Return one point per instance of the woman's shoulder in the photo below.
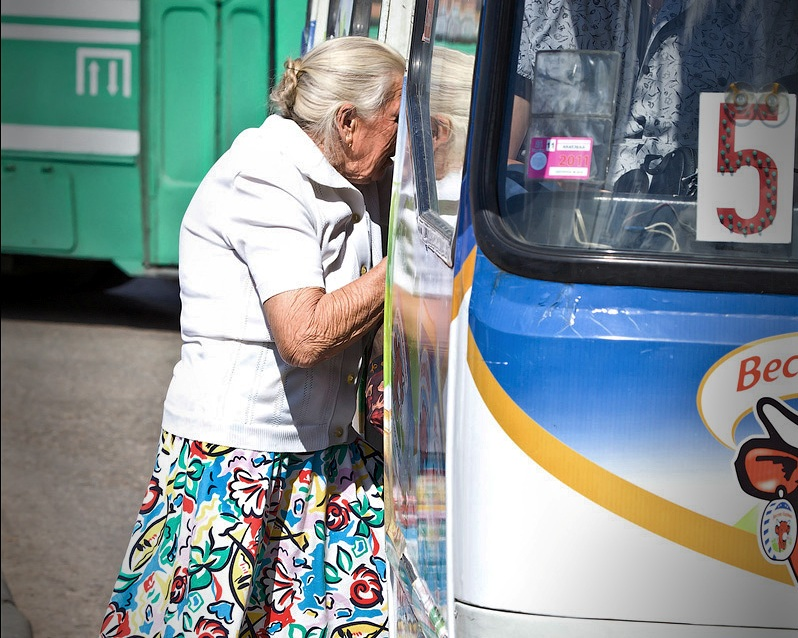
(265, 145)
(278, 151)
(257, 154)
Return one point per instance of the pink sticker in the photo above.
(559, 158)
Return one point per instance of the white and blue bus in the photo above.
(591, 338)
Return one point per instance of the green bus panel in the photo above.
(71, 184)
(48, 194)
(113, 112)
(291, 16)
(69, 85)
(80, 210)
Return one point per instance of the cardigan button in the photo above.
(338, 432)
(350, 379)
(363, 270)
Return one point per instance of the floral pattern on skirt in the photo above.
(232, 542)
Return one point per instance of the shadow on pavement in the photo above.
(146, 302)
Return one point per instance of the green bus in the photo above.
(112, 112)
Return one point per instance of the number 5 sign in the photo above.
(746, 154)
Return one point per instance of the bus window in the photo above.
(457, 24)
(340, 18)
(687, 163)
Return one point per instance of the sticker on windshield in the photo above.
(559, 158)
(746, 157)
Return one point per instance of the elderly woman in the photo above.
(264, 514)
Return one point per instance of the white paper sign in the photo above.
(746, 156)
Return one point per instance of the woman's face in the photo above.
(370, 144)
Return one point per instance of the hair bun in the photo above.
(285, 93)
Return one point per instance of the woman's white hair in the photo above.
(351, 70)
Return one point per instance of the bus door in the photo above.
(113, 111)
(624, 424)
(209, 67)
(426, 196)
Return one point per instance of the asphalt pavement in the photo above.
(84, 374)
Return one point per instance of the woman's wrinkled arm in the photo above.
(310, 325)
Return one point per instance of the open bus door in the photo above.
(604, 440)
(113, 111)
(424, 226)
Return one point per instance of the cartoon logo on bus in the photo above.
(759, 379)
(767, 469)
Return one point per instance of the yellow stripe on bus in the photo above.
(660, 516)
(463, 281)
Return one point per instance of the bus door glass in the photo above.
(630, 398)
(427, 182)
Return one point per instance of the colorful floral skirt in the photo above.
(233, 542)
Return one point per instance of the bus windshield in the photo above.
(659, 129)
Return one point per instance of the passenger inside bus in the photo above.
(671, 52)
